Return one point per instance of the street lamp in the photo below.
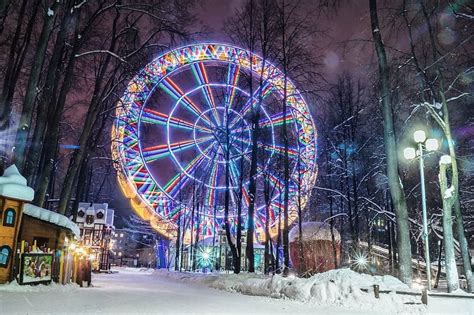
(445, 160)
(410, 153)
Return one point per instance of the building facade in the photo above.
(96, 224)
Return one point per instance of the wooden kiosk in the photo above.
(14, 192)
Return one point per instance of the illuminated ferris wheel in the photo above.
(183, 134)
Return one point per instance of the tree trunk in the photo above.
(4, 4)
(438, 274)
(5, 106)
(32, 87)
(16, 58)
(46, 105)
(455, 183)
(331, 214)
(396, 189)
(303, 270)
(81, 188)
(445, 125)
(176, 256)
(279, 237)
(448, 196)
(52, 136)
(235, 257)
(91, 117)
(463, 244)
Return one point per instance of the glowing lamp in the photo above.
(409, 153)
(419, 136)
(445, 159)
(432, 144)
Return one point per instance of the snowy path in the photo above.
(136, 293)
(144, 293)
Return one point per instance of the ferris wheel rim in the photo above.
(307, 117)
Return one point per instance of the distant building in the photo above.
(96, 224)
(215, 254)
(134, 249)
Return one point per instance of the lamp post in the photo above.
(411, 153)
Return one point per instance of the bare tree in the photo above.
(26, 119)
(396, 189)
(433, 68)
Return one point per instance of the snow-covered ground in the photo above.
(141, 291)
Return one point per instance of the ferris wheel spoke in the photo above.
(240, 151)
(292, 153)
(212, 191)
(233, 74)
(245, 196)
(201, 75)
(277, 182)
(159, 151)
(274, 179)
(156, 117)
(176, 184)
(274, 120)
(245, 143)
(235, 174)
(180, 179)
(213, 180)
(263, 91)
(175, 91)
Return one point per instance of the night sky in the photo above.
(333, 49)
(349, 25)
(344, 45)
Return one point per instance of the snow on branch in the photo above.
(100, 51)
(457, 97)
(431, 108)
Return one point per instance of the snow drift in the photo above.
(342, 287)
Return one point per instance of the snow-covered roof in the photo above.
(51, 217)
(315, 231)
(13, 185)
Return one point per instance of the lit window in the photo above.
(4, 256)
(9, 217)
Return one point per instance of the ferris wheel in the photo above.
(183, 137)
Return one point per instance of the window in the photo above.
(9, 217)
(41, 242)
(100, 215)
(4, 256)
(81, 213)
(89, 219)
